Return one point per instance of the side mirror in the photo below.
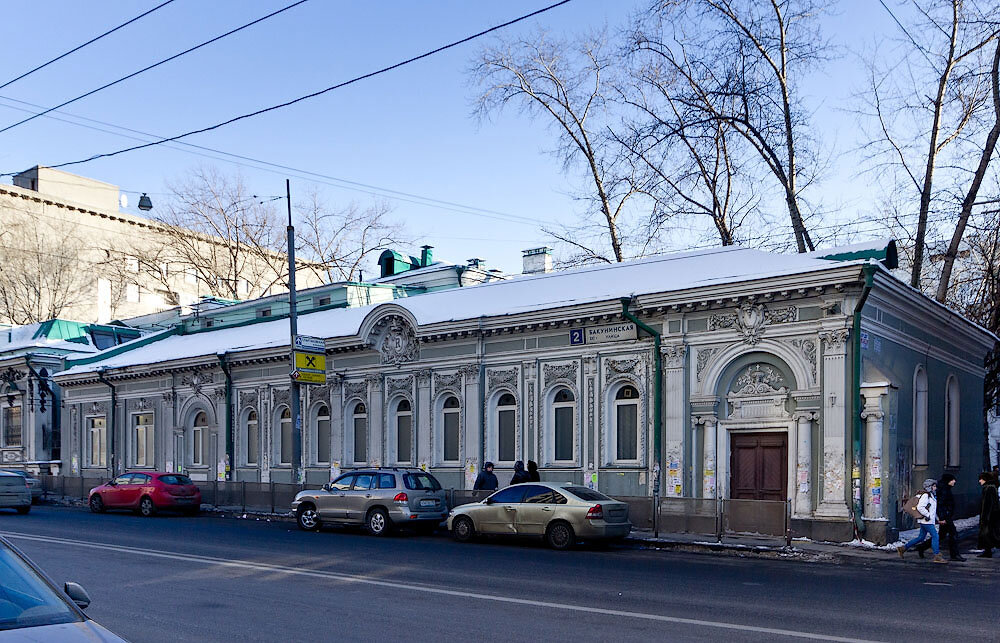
(112, 483)
(327, 487)
(488, 501)
(77, 594)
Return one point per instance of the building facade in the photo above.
(726, 373)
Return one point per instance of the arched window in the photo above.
(323, 434)
(506, 413)
(952, 423)
(564, 424)
(199, 439)
(252, 449)
(626, 419)
(360, 424)
(404, 432)
(285, 452)
(920, 417)
(450, 417)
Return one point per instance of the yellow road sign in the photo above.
(306, 377)
(310, 361)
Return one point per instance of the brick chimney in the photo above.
(537, 260)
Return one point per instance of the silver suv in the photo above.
(380, 499)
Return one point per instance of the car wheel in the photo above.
(560, 536)
(146, 507)
(97, 504)
(462, 529)
(23, 510)
(308, 518)
(377, 522)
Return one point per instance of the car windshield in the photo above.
(421, 482)
(583, 493)
(25, 599)
(175, 479)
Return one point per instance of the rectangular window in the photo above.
(253, 440)
(132, 293)
(360, 439)
(264, 312)
(404, 438)
(505, 436)
(12, 426)
(142, 440)
(564, 433)
(198, 445)
(322, 301)
(97, 441)
(132, 264)
(286, 442)
(451, 437)
(628, 433)
(323, 438)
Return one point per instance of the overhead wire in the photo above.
(157, 64)
(310, 95)
(89, 42)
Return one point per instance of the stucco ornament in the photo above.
(196, 380)
(751, 319)
(759, 379)
(398, 343)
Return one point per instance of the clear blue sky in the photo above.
(410, 130)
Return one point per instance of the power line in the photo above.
(156, 64)
(89, 42)
(310, 95)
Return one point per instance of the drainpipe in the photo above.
(230, 455)
(482, 395)
(856, 423)
(658, 383)
(113, 428)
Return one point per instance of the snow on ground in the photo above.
(905, 536)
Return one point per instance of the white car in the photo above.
(14, 493)
(33, 609)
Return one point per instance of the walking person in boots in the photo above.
(946, 519)
(989, 516)
(927, 507)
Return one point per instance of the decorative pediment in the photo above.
(393, 337)
(196, 380)
(355, 389)
(617, 367)
(559, 372)
(501, 378)
(750, 319)
(759, 392)
(248, 399)
(397, 385)
(450, 382)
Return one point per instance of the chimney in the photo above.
(537, 260)
(476, 262)
(426, 256)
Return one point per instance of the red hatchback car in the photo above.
(147, 492)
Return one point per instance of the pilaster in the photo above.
(674, 418)
(833, 502)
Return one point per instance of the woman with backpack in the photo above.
(925, 507)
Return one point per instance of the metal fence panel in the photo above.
(689, 515)
(756, 517)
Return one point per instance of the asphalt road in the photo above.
(225, 579)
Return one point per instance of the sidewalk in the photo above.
(806, 550)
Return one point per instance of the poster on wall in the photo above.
(470, 473)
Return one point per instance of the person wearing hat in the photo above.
(927, 506)
(946, 519)
(486, 480)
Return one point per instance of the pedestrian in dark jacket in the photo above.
(989, 516)
(946, 519)
(533, 472)
(520, 475)
(487, 480)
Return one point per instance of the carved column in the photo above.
(376, 420)
(171, 460)
(674, 359)
(472, 442)
(708, 468)
(873, 415)
(424, 420)
(336, 383)
(803, 463)
(592, 455)
(835, 463)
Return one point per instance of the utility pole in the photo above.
(293, 328)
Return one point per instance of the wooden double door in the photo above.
(758, 466)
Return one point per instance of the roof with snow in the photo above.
(592, 284)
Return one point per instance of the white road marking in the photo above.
(939, 584)
(399, 585)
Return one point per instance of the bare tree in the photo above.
(740, 60)
(42, 272)
(698, 167)
(217, 230)
(930, 107)
(338, 242)
(567, 84)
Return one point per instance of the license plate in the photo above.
(183, 501)
(428, 503)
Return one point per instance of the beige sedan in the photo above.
(562, 514)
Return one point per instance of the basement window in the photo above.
(264, 312)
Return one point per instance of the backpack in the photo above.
(910, 506)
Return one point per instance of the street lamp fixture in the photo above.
(145, 203)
